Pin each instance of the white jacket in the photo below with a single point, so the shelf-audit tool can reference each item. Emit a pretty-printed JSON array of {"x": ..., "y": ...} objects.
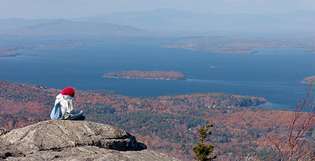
[{"x": 66, "y": 104}]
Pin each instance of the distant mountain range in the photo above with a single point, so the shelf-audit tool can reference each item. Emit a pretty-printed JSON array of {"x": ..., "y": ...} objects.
[
  {"x": 168, "y": 22},
  {"x": 62, "y": 27},
  {"x": 210, "y": 32},
  {"x": 178, "y": 21}
]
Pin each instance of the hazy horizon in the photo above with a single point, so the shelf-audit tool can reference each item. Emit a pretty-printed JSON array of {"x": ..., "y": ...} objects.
[{"x": 84, "y": 8}]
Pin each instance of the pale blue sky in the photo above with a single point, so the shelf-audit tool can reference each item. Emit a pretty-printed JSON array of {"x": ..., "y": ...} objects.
[{"x": 83, "y": 8}]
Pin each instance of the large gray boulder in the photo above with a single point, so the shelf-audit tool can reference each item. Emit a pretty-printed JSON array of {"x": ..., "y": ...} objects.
[{"x": 74, "y": 140}]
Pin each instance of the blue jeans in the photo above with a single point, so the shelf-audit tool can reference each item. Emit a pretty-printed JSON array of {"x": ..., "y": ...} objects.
[{"x": 76, "y": 116}]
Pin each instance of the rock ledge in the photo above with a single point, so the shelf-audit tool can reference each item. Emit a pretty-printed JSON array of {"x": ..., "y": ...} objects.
[{"x": 74, "y": 140}]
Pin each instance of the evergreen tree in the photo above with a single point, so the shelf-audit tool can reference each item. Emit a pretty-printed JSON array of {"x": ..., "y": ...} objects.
[{"x": 202, "y": 150}]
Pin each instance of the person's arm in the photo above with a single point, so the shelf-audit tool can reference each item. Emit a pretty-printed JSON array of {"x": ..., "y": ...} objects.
[
  {"x": 63, "y": 107},
  {"x": 66, "y": 108},
  {"x": 70, "y": 106}
]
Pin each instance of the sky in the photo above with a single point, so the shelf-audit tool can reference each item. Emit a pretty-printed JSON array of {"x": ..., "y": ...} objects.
[{"x": 86, "y": 8}]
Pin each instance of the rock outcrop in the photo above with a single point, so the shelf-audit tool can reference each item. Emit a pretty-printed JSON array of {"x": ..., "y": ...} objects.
[{"x": 74, "y": 140}]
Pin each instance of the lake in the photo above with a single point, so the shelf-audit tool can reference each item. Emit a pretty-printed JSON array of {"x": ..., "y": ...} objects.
[{"x": 275, "y": 74}]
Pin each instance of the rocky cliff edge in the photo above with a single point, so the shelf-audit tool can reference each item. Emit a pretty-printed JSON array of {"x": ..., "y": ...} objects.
[{"x": 74, "y": 140}]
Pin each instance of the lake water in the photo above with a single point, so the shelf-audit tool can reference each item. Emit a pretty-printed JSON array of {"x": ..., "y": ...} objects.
[{"x": 274, "y": 74}]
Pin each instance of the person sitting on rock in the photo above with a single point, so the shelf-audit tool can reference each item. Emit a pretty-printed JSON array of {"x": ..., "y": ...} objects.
[{"x": 63, "y": 107}]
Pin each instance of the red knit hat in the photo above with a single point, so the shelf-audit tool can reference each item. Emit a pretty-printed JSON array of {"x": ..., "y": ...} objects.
[{"x": 69, "y": 91}]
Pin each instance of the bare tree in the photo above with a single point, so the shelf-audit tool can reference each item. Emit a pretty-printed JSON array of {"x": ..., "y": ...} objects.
[{"x": 294, "y": 146}]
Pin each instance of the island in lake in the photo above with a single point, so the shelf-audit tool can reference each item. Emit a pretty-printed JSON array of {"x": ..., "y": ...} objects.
[
  {"x": 309, "y": 80},
  {"x": 153, "y": 75}
]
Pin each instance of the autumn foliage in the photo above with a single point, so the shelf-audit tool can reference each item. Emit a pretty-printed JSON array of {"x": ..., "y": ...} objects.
[
  {"x": 169, "y": 124},
  {"x": 294, "y": 146}
]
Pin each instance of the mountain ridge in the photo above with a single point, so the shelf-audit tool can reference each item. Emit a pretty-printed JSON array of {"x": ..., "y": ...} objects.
[{"x": 65, "y": 27}]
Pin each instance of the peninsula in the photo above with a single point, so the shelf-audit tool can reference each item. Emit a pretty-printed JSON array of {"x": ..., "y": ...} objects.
[
  {"x": 309, "y": 80},
  {"x": 8, "y": 52},
  {"x": 239, "y": 45},
  {"x": 152, "y": 75}
]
